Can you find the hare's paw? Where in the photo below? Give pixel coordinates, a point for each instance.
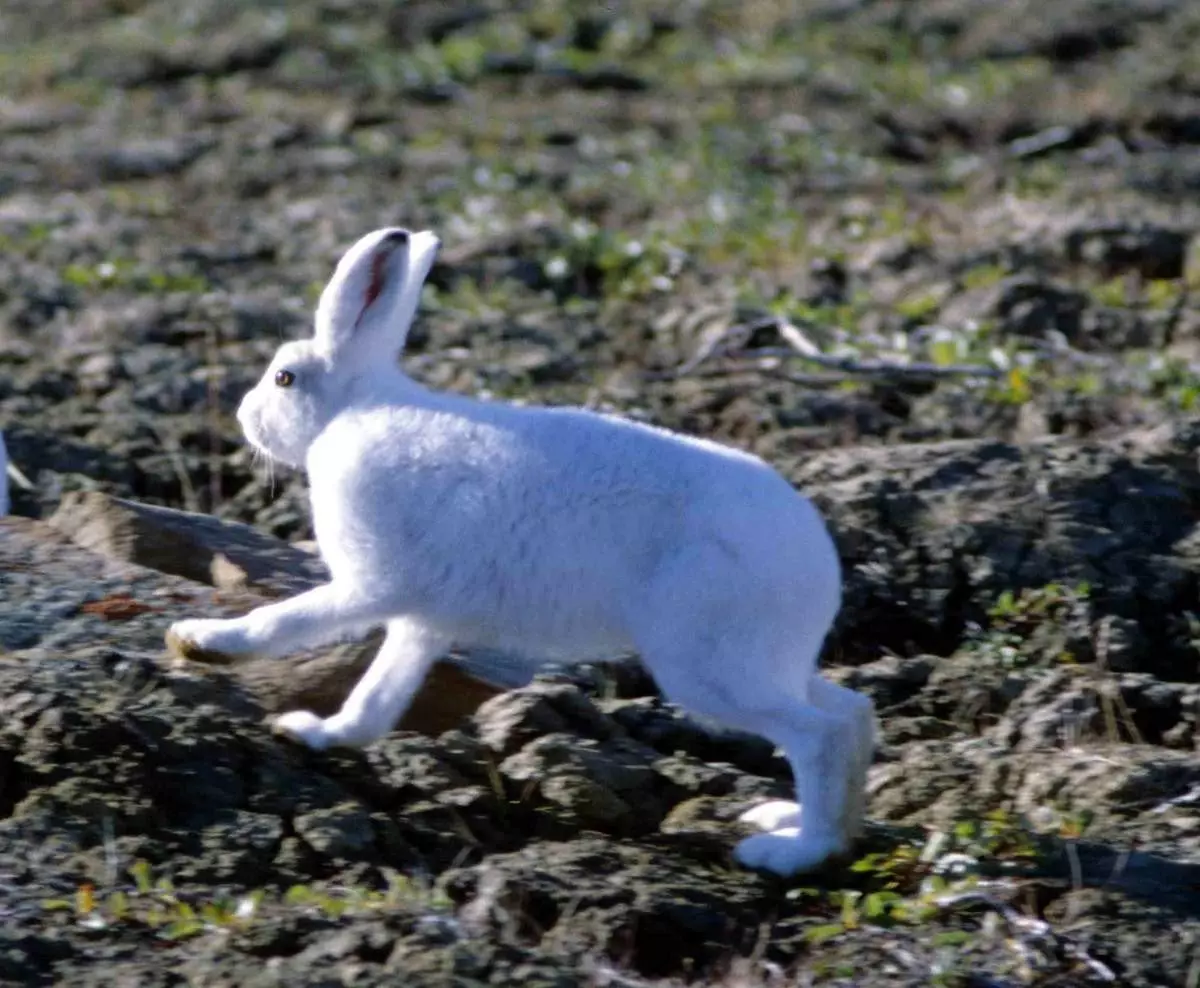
(775, 814)
(211, 640)
(305, 727)
(787, 851)
(339, 731)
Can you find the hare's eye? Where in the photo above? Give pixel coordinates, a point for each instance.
(284, 379)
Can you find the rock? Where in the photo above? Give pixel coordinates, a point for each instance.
(891, 680)
(610, 77)
(344, 831)
(511, 720)
(414, 23)
(37, 116)
(1027, 306)
(669, 729)
(608, 897)
(602, 786)
(1147, 250)
(932, 534)
(150, 158)
(221, 53)
(1057, 710)
(1073, 32)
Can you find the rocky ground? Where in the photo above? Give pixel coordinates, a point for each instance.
(651, 208)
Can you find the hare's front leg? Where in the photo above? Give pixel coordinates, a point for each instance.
(382, 695)
(315, 617)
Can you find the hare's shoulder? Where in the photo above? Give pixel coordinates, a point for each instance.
(402, 440)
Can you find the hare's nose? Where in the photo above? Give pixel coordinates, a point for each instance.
(243, 411)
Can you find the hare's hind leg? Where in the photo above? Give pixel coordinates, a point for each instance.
(746, 678)
(740, 645)
(380, 698)
(778, 814)
(859, 710)
(819, 747)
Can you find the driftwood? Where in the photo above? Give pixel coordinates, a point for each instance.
(249, 568)
(223, 554)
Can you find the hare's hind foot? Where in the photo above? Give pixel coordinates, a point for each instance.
(775, 814)
(319, 733)
(788, 851)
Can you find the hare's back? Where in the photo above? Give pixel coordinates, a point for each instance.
(576, 472)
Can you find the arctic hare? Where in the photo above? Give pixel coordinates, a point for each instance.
(558, 533)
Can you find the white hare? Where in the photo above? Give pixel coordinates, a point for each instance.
(558, 533)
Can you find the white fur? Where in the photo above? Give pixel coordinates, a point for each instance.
(3, 477)
(559, 533)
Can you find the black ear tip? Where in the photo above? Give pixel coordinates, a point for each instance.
(396, 236)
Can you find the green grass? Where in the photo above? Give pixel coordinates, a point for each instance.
(130, 276)
(172, 914)
(1022, 626)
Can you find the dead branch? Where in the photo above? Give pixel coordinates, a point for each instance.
(800, 347)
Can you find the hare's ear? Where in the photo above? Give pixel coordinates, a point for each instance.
(370, 301)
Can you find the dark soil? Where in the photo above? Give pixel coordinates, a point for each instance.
(627, 194)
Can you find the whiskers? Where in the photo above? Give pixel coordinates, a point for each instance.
(261, 456)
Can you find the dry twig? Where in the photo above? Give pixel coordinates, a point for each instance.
(800, 347)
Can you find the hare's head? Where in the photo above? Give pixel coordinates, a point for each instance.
(362, 320)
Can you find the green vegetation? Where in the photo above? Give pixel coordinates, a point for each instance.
(925, 881)
(1033, 626)
(658, 209)
(157, 905)
(130, 276)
